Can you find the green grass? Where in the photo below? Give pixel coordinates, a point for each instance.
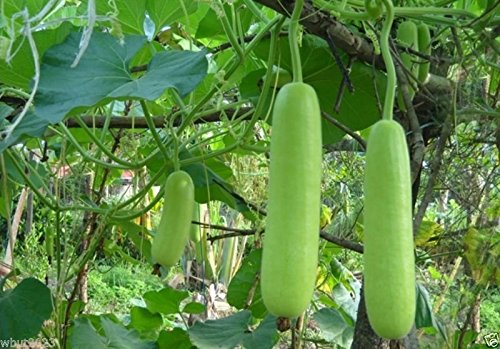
(114, 288)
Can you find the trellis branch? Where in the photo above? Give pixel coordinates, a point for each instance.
(325, 26)
(234, 232)
(139, 122)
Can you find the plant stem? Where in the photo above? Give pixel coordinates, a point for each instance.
(152, 128)
(293, 32)
(389, 64)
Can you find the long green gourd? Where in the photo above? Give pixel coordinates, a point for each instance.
(175, 223)
(407, 34)
(388, 258)
(290, 250)
(424, 46)
(290, 254)
(389, 266)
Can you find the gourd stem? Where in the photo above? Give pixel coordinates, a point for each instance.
(389, 64)
(293, 32)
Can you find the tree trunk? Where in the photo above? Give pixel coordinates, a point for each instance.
(365, 337)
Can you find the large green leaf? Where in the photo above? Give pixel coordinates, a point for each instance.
(177, 338)
(85, 336)
(194, 308)
(144, 321)
(20, 70)
(12, 7)
(333, 327)
(166, 301)
(209, 185)
(24, 309)
(244, 282)
(265, 335)
(358, 109)
(211, 27)
(103, 74)
(30, 126)
(131, 14)
(234, 330)
(164, 13)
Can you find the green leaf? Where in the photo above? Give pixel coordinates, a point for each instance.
(358, 109)
(194, 308)
(423, 315)
(250, 86)
(14, 6)
(166, 301)
(166, 12)
(132, 13)
(347, 305)
(177, 338)
(143, 320)
(24, 309)
(5, 110)
(210, 185)
(137, 234)
(30, 126)
(333, 327)
(210, 26)
(265, 336)
(243, 283)
(16, 176)
(104, 74)
(20, 71)
(85, 336)
(234, 330)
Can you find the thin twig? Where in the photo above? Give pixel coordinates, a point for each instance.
(234, 232)
(224, 228)
(343, 70)
(345, 81)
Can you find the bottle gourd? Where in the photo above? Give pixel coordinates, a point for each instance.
(175, 223)
(407, 34)
(389, 266)
(290, 254)
(424, 46)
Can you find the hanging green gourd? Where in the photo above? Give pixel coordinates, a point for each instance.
(424, 46)
(407, 34)
(173, 231)
(290, 249)
(388, 258)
